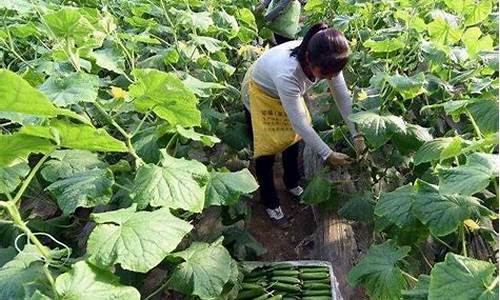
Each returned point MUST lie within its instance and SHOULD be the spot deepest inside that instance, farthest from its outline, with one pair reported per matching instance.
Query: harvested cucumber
(306, 276)
(317, 298)
(250, 294)
(285, 273)
(286, 287)
(315, 270)
(281, 266)
(250, 286)
(316, 293)
(316, 286)
(326, 280)
(283, 279)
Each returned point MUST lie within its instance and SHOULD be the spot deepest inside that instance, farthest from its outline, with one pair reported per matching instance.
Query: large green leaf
(462, 278)
(387, 45)
(201, 88)
(68, 163)
(420, 291)
(166, 96)
(208, 140)
(474, 43)
(204, 272)
(318, 190)
(176, 183)
(485, 113)
(477, 12)
(137, 240)
(444, 32)
(10, 177)
(68, 23)
(379, 273)
(23, 269)
(110, 59)
(408, 87)
(443, 213)
(84, 189)
(396, 206)
(225, 188)
(438, 149)
(471, 178)
(378, 128)
(359, 207)
(86, 282)
(412, 139)
(71, 89)
(6, 255)
(76, 136)
(17, 147)
(459, 6)
(212, 45)
(17, 95)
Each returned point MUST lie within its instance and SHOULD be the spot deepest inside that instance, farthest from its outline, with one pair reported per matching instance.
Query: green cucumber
(316, 293)
(306, 276)
(250, 286)
(280, 266)
(285, 273)
(250, 294)
(317, 298)
(316, 286)
(277, 297)
(315, 270)
(326, 280)
(263, 297)
(284, 279)
(286, 287)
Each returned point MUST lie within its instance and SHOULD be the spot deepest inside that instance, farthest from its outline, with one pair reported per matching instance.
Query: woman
(272, 94)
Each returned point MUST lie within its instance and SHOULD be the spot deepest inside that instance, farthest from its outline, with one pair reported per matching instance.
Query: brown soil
(293, 243)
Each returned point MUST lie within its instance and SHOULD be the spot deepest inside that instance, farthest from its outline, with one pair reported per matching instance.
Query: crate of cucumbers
(289, 280)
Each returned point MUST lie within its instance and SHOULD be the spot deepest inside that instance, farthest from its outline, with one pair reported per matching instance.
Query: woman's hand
(359, 145)
(339, 159)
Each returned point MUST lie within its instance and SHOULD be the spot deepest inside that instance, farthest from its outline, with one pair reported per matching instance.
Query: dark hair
(323, 47)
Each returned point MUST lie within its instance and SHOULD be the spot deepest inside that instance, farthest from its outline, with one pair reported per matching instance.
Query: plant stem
(409, 276)
(493, 284)
(159, 289)
(123, 187)
(443, 242)
(28, 179)
(474, 124)
(140, 124)
(51, 280)
(495, 184)
(130, 147)
(462, 237)
(18, 221)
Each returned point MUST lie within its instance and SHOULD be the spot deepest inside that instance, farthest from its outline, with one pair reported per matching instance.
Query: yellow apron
(272, 130)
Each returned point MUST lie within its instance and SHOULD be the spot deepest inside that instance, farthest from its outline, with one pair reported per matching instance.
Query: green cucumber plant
(425, 84)
(99, 102)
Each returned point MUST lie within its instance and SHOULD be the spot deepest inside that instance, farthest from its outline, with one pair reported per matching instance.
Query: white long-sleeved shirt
(281, 76)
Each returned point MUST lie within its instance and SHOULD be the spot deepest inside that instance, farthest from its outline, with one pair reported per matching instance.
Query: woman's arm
(289, 95)
(343, 100)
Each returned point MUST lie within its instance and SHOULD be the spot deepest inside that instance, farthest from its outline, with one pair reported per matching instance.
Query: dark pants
(281, 39)
(264, 171)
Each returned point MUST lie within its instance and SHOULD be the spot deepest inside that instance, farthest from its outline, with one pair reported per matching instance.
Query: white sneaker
(275, 213)
(278, 217)
(296, 191)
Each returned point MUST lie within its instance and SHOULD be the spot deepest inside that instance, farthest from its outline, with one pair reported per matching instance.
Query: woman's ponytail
(300, 51)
